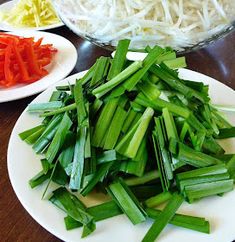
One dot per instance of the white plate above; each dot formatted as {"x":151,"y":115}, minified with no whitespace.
{"x":62,"y":64}
{"x":8,"y":27}
{"x":23,"y":164}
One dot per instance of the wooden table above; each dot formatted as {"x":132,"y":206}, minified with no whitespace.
{"x":217,"y":60}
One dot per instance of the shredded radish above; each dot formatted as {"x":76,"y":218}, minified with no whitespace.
{"x":175,"y":23}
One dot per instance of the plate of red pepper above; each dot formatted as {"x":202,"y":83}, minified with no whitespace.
{"x":31,"y":61}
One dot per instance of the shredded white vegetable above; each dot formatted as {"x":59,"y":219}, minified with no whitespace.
{"x":175,"y":23}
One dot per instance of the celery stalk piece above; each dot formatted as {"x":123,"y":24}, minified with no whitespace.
{"x":158,"y":199}
{"x":104,"y":121}
{"x":119,"y":58}
{"x":135,"y":142}
{"x":59,"y":138}
{"x":148,"y":61}
{"x":114,"y":129}
{"x":108,"y":86}
{"x":163,"y":218}
{"x":126,"y":200}
{"x":189,"y":222}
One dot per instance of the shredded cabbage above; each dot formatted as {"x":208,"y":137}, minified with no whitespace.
{"x":31,"y":13}
{"x":175,"y":23}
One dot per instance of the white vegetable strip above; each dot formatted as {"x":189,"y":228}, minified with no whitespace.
{"x":175,"y":23}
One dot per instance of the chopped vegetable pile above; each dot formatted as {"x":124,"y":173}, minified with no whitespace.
{"x":22,"y":60}
{"x":175,"y":23}
{"x":139,"y":133}
{"x":31,"y":13}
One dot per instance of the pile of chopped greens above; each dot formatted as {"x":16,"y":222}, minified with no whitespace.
{"x":140,"y":134}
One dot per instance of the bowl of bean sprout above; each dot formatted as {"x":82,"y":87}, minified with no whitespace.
{"x":180,"y":24}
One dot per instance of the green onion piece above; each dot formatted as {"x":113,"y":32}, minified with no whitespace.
{"x":158,"y":199}
{"x":176,"y":63}
{"x":43,"y":107}
{"x":100,"y":70}
{"x":108,"y":86}
{"x":170,"y":124}
{"x":163,"y":218}
{"x":202,"y":179}
{"x":34,"y":137}
{"x":159,"y":104}
{"x":59,"y":138}
{"x":69,"y":204}
{"x":114,"y":129}
{"x":226,"y":133}
{"x":212,"y":147}
{"x":148,"y":61}
{"x":76,"y":176}
{"x":195,"y":158}
{"x":147,"y":177}
{"x":135,"y":142}
{"x":126,"y":200}
{"x":23,"y":135}
{"x":211,"y":170}
{"x":39,"y":178}
{"x":59,"y":110}
{"x":99,"y":212}
{"x":104,"y":121}
{"x":109,"y":155}
{"x":149,"y":89}
{"x":47,"y":134}
{"x":98,"y":176}
{"x":194,"y":192}
{"x":189,"y":222}
{"x":119,"y":58}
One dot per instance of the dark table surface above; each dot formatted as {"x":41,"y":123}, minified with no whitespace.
{"x":217,"y":60}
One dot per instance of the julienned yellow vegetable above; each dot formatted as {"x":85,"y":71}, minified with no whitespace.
{"x":31,"y":13}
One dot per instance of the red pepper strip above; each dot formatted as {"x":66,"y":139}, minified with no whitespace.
{"x":8,"y":74}
{"x":23,"y":69}
{"x":38,"y":43}
{"x":32,"y":60}
{"x":45,"y":61}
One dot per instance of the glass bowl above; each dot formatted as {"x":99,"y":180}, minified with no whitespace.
{"x":69,"y":21}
